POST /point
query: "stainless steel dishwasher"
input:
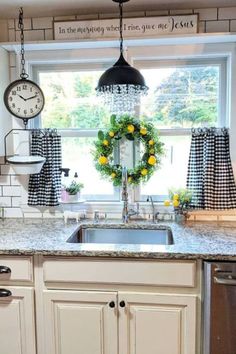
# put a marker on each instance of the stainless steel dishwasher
(220, 308)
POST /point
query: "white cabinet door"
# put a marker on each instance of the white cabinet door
(17, 326)
(157, 323)
(80, 322)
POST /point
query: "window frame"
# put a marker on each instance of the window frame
(77, 133)
(221, 62)
(135, 55)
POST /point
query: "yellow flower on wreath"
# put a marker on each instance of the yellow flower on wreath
(151, 151)
(113, 175)
(130, 128)
(105, 142)
(151, 142)
(130, 179)
(143, 131)
(175, 196)
(144, 172)
(152, 160)
(111, 134)
(103, 160)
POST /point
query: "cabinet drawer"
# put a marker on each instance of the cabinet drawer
(21, 269)
(156, 273)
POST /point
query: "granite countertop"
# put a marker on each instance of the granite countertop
(193, 240)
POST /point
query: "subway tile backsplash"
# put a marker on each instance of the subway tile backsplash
(210, 20)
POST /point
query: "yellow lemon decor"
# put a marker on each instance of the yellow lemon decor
(103, 160)
(111, 134)
(167, 203)
(181, 200)
(175, 203)
(130, 128)
(143, 131)
(152, 160)
(105, 142)
(144, 172)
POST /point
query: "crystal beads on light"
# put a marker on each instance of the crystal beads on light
(122, 99)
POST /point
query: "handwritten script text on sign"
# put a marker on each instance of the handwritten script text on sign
(135, 27)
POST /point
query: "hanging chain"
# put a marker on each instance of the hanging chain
(121, 27)
(23, 74)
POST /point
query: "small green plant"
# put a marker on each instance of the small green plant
(74, 188)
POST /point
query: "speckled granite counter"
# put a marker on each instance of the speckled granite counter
(48, 237)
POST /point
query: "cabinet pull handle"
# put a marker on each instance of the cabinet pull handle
(122, 304)
(5, 293)
(112, 304)
(4, 270)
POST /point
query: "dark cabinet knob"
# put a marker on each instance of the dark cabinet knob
(122, 304)
(112, 304)
(5, 293)
(4, 270)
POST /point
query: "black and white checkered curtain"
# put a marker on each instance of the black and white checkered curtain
(210, 174)
(45, 187)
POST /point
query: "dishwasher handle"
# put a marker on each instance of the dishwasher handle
(225, 281)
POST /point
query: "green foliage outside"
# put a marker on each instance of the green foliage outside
(186, 98)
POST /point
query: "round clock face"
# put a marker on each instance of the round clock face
(24, 99)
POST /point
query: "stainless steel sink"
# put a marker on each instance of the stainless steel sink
(114, 235)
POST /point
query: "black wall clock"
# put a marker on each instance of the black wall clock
(24, 98)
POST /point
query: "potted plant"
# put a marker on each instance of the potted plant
(73, 191)
(180, 199)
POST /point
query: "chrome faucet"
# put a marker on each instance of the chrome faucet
(125, 196)
(154, 214)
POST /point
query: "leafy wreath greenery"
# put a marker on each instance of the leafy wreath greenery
(132, 129)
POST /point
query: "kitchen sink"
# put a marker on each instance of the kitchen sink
(115, 235)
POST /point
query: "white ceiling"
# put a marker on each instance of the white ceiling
(38, 8)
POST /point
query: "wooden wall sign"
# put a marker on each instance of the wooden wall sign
(133, 27)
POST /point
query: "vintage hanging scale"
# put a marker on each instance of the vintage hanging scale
(23, 98)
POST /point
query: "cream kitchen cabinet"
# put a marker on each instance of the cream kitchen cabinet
(17, 325)
(94, 322)
(98, 306)
(17, 328)
(80, 322)
(157, 323)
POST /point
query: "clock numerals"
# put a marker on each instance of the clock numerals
(13, 93)
(24, 87)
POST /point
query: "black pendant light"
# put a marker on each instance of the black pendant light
(121, 86)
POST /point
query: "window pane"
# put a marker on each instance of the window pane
(71, 100)
(182, 97)
(173, 169)
(76, 155)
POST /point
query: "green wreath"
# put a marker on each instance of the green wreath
(132, 129)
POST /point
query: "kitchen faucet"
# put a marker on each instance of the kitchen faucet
(154, 214)
(126, 212)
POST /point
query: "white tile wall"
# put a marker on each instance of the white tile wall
(210, 20)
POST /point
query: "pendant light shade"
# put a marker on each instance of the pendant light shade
(122, 85)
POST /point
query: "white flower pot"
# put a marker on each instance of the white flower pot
(71, 198)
